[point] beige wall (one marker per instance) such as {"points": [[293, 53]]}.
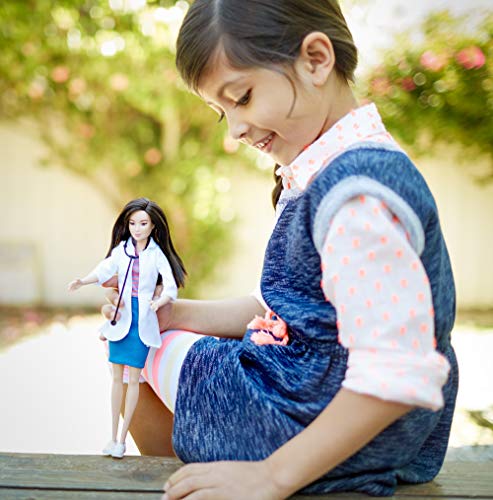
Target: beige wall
{"points": [[466, 214], [56, 226]]}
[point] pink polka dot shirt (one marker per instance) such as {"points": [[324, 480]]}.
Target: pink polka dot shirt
{"points": [[375, 280]]}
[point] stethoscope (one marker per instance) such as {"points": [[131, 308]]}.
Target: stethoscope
{"points": [[131, 259]]}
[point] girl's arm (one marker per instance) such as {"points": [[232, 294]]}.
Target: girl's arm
{"points": [[222, 318], [373, 292], [348, 423]]}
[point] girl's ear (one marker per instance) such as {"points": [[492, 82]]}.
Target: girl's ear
{"points": [[316, 59]]}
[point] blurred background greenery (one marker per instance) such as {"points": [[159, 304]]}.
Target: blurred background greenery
{"points": [[103, 73], [436, 84], [98, 79]]}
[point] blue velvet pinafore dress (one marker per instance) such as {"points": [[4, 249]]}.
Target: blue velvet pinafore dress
{"points": [[241, 401]]}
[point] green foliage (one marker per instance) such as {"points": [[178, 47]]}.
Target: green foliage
{"points": [[438, 86], [99, 78]]}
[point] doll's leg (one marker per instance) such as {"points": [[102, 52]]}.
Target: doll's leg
{"points": [[116, 398], [152, 424], [131, 399]]}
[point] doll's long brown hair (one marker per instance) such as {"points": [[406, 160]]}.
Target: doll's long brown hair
{"points": [[260, 33], [160, 233]]}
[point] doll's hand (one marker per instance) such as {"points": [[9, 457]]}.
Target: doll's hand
{"points": [[160, 302], [75, 285]]}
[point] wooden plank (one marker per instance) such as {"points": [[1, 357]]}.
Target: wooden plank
{"points": [[84, 476], [86, 472], [31, 494], [22, 494]]}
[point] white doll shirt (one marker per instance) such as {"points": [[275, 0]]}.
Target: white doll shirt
{"points": [[152, 262]]}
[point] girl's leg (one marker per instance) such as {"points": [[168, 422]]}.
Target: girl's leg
{"points": [[163, 366], [116, 398], [131, 399]]}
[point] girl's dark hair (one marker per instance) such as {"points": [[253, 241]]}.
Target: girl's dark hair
{"points": [[259, 33], [160, 233]]}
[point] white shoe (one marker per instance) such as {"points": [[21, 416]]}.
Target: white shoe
{"points": [[108, 449], [118, 450]]}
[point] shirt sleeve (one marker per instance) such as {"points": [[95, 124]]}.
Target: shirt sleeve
{"points": [[108, 267], [169, 284], [381, 293]]}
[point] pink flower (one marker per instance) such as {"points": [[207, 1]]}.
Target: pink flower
{"points": [[433, 62], [262, 338], [36, 90], [119, 82], [381, 85], [153, 156], [408, 84], [270, 330], [60, 74], [86, 130], [471, 58], [76, 87]]}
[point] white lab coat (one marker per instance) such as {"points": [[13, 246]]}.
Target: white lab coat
{"points": [[152, 262]]}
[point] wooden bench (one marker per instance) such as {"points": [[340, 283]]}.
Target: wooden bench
{"points": [[28, 476]]}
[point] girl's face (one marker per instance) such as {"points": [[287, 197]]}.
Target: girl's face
{"points": [[140, 225], [258, 106]]}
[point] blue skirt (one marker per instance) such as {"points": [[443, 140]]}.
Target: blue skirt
{"points": [[130, 350]]}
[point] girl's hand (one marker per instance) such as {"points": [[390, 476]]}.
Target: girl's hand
{"points": [[223, 481], [159, 302], [108, 310], [75, 285]]}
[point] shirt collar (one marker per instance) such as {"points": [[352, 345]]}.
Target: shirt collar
{"points": [[358, 125], [131, 247]]}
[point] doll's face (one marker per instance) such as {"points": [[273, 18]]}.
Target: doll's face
{"points": [[140, 225]]}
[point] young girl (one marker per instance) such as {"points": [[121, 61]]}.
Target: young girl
{"points": [[141, 241], [349, 381]]}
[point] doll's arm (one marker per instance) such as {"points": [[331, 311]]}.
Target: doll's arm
{"points": [[160, 302], [170, 290], [108, 267], [79, 282], [100, 274]]}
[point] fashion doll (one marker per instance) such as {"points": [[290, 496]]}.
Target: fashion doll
{"points": [[141, 251]]}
